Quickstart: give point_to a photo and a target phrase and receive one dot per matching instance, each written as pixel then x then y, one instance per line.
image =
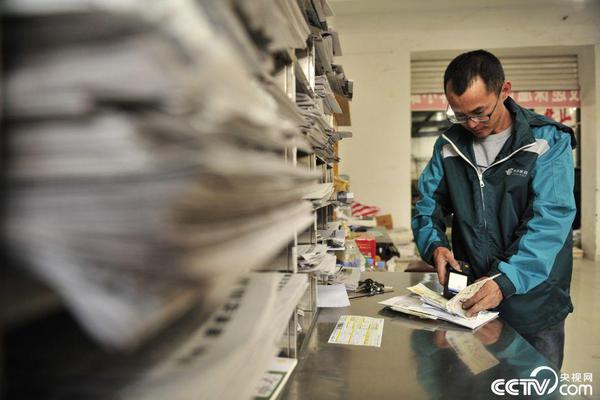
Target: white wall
pixel 377 158
pixel 377 51
pixel 589 71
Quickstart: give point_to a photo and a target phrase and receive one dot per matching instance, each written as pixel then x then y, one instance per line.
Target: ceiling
pixel 345 7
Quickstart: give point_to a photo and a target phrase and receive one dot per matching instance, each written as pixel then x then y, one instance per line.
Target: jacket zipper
pixel 480 174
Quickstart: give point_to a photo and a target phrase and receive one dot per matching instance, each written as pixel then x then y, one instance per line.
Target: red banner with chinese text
pixel 527 99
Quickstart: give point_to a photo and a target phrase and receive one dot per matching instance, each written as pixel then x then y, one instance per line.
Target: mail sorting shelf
pixel 302 68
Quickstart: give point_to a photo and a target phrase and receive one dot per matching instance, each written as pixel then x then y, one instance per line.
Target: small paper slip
pixel 407 304
pixel 330 296
pixel 428 295
pixel 482 317
pixel 358 331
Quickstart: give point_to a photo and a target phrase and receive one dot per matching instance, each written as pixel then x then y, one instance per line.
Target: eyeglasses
pixel 462 118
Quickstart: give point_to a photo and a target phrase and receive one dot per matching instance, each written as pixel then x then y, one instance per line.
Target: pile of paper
pixel 319 193
pixel 143 177
pixel 327 46
pixel 333 238
pixel 323 54
pixel 332 39
pixel 319 133
pixel 213 362
pixel 310 255
pixel 426 303
pixel 349 276
pixel 316 12
pixel 339 83
pixel 219 356
pixel 323 90
pixel 281 22
pixel 227 22
pixel 314 257
pixel 322 9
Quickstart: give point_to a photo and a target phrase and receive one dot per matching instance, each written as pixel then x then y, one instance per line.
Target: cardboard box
pixel 385 221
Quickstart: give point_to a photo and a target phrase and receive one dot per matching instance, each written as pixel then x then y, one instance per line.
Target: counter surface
pixel 417 359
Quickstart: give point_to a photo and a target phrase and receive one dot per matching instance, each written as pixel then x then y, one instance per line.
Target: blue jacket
pixel 514 218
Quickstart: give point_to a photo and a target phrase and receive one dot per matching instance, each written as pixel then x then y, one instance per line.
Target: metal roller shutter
pixel 525 73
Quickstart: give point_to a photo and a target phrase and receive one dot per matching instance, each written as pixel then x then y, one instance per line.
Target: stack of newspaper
pixel 335 239
pixel 221 357
pixel 314 257
pixel 339 83
pixel 318 11
pixel 426 303
pixel 319 193
pixel 323 90
pixel 319 133
pixel 281 22
pixel 142 174
pixel 217 358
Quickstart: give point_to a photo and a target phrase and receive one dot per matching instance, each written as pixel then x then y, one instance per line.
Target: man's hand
pixel 441 257
pixel 489 296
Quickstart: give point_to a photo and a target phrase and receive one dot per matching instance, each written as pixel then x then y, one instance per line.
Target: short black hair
pixel 465 68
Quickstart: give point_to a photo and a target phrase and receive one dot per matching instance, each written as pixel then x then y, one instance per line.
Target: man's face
pixel 477 101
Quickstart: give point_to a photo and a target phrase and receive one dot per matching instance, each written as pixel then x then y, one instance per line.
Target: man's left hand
pixel 489 296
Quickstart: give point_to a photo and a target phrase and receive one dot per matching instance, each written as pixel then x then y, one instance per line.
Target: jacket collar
pixel 523 121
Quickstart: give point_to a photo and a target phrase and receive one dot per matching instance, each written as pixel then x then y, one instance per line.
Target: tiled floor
pixel 582 332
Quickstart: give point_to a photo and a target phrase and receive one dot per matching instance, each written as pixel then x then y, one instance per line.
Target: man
pixel 506 176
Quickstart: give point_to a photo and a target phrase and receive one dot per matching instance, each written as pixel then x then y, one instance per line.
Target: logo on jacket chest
pixel 516 172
